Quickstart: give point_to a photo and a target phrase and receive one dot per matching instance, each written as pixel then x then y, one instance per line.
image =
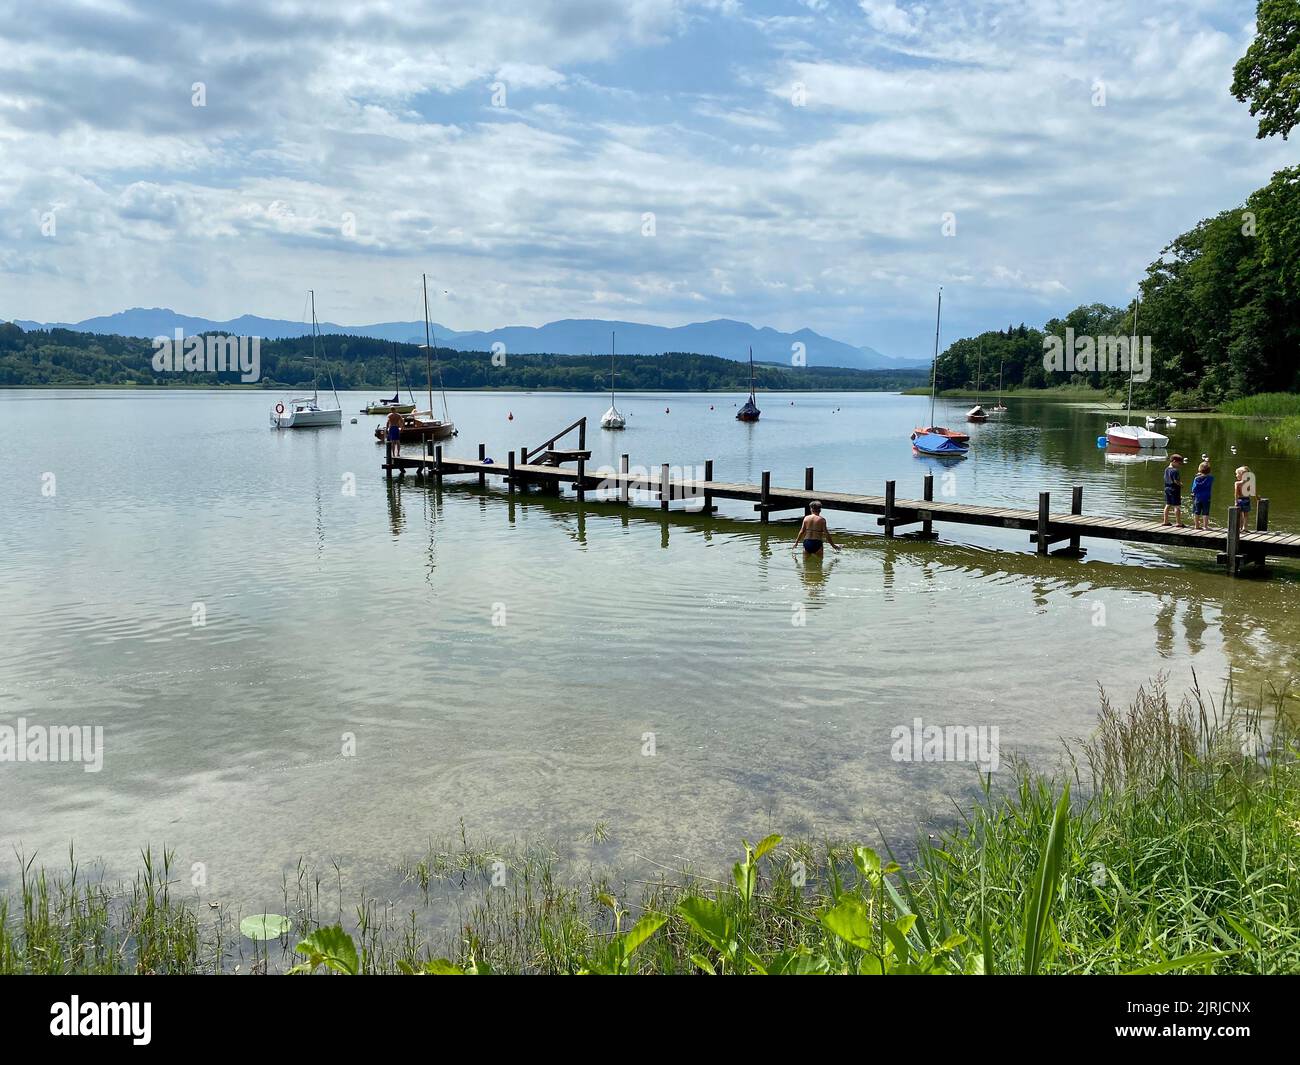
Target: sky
pixel 824 164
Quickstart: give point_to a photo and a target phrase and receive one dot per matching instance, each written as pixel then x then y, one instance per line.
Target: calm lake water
pixel 371 613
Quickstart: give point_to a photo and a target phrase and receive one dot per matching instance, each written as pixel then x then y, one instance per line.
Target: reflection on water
pixel 498 656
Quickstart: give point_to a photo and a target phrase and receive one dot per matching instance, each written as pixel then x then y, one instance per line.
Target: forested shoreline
pixel 67 358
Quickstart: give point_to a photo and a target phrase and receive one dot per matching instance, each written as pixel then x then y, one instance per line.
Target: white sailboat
pixel 612 419
pixel 304 413
pixel 1131 435
pixel 1001 408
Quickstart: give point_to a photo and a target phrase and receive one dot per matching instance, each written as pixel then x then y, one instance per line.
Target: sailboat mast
pixel 979 372
pixel 934 364
pixel 315 366
pixel 428 349
pixel 751 371
pixel 1137 306
pixel 611 368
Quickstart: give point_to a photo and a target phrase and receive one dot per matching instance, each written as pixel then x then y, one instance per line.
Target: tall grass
pixel 1265 405
pixel 1171 842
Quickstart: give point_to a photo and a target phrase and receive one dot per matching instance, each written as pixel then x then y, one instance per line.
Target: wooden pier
pixel 1045 526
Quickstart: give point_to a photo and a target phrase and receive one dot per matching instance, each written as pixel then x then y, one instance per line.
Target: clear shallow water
pixel 371 614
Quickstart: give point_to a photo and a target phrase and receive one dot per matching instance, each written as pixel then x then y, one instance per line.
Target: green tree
pixel 1268 75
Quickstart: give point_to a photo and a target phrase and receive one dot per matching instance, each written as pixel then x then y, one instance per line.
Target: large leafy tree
pixel 1268 75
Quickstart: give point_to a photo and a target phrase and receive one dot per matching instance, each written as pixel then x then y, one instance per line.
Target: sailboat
pixel 976 413
pixel 1131 435
pixel 303 413
pixel 421 426
pixel 611 419
pixel 749 412
pixel 926 439
pixel 1001 407
pixel 390 406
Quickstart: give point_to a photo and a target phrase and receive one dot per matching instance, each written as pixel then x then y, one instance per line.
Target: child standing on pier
pixel 1242 490
pixel 1202 486
pixel 1174 491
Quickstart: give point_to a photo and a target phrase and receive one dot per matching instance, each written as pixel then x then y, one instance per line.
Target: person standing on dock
pixel 1174 491
pixel 394 424
pixel 1242 490
pixel 813 531
pixel 1202 486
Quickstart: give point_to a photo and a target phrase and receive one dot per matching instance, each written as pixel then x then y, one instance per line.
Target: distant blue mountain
pixel 571 336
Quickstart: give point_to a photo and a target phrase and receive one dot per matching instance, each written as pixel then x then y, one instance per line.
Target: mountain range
pixel 571 336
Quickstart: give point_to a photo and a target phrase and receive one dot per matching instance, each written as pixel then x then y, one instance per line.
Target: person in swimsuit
pixel 394 424
pixel 813 531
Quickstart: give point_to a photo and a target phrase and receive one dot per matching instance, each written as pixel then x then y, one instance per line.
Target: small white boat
pixel 1134 436
pixel 612 419
pixel 304 413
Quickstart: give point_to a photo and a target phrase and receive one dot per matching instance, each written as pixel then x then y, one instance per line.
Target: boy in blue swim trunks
pixel 813 531
pixel 1202 485
pixel 1174 491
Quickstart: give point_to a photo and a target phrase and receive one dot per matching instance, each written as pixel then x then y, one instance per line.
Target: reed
pixel 1264 405
pixel 1169 841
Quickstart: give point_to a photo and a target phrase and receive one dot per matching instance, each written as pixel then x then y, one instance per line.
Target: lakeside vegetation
pixel 70 359
pixel 1171 843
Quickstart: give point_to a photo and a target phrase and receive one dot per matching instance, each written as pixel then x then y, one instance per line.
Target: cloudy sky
pixel 666 161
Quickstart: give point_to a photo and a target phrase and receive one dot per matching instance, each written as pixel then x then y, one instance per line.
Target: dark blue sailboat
pixel 749 412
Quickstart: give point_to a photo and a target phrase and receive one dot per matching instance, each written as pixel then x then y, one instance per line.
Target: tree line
pixel 68 358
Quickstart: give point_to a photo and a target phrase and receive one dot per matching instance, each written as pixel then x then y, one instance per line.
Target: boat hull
pixel 389 408
pixel 416 434
pixel 935 446
pixel 1134 436
pixel 611 419
pixel 939 430
pixel 307 419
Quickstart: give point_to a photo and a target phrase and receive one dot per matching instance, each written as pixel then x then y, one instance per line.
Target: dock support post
pixel 807 486
pixel 1233 542
pixel 582 435
pixel 927 493
pixel 482 454
pixel 437 463
pixel 708 496
pixel 388 466
pixel 1044 510
pixel 579 483
pixel 510 473
pixel 1261 515
pixel 889 509
pixel 665 491
pixel 1076 507
pixel 624 493
pixel 764 494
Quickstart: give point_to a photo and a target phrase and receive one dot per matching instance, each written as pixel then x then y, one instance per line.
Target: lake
pixel 291 658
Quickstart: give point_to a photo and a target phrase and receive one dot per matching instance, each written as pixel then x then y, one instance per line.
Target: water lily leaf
pixel 263 926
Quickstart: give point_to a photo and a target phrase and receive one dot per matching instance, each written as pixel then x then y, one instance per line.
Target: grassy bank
pixel 1172 843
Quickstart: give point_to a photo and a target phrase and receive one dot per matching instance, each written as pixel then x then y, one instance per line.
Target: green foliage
pixel 1268 75
pixel 67 358
pixel 331 947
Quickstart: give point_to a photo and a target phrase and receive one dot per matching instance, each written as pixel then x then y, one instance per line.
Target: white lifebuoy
pixel 279 408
